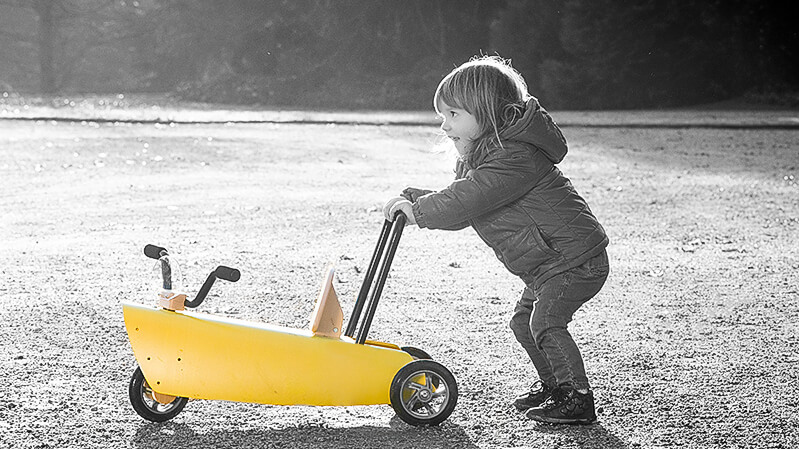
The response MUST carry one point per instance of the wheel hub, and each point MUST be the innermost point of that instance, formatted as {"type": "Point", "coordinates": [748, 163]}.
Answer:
{"type": "Point", "coordinates": [425, 395]}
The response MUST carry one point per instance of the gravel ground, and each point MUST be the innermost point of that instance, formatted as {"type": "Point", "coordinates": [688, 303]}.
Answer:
{"type": "Point", "coordinates": [692, 343]}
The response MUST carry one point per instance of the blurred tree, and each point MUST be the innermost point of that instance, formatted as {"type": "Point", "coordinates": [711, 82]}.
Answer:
{"type": "Point", "coordinates": [767, 40]}
{"type": "Point", "coordinates": [47, 42]}
{"type": "Point", "coordinates": [611, 53]}
{"type": "Point", "coordinates": [367, 53]}
{"type": "Point", "coordinates": [528, 32]}
{"type": "Point", "coordinates": [16, 45]}
{"type": "Point", "coordinates": [352, 53]}
{"type": "Point", "coordinates": [654, 52]}
{"type": "Point", "coordinates": [78, 44]}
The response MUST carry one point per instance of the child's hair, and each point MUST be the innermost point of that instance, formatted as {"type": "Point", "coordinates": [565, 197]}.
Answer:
{"type": "Point", "coordinates": [492, 91]}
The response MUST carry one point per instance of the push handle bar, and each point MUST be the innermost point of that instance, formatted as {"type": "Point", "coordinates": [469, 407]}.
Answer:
{"type": "Point", "coordinates": [389, 239]}
{"type": "Point", "coordinates": [368, 280]}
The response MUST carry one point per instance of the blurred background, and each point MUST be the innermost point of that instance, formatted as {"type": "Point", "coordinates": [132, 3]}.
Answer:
{"type": "Point", "coordinates": [372, 54]}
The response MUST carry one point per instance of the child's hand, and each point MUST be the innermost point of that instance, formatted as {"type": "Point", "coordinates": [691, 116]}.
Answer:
{"type": "Point", "coordinates": [412, 193]}
{"type": "Point", "coordinates": [399, 204]}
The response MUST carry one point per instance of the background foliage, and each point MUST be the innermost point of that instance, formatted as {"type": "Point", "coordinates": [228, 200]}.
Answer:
{"type": "Point", "coordinates": [391, 54]}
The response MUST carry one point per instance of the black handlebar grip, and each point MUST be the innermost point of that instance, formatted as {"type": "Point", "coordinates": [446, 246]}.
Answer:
{"type": "Point", "coordinates": [221, 272]}
{"type": "Point", "coordinates": [228, 274]}
{"type": "Point", "coordinates": [153, 252]}
{"type": "Point", "coordinates": [400, 215]}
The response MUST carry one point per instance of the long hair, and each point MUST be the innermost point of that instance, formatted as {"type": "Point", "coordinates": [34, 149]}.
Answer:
{"type": "Point", "coordinates": [492, 91]}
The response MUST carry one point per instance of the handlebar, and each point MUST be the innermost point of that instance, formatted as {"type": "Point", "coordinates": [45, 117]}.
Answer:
{"type": "Point", "coordinates": [221, 272]}
{"type": "Point", "coordinates": [161, 254]}
{"type": "Point", "coordinates": [228, 274]}
{"type": "Point", "coordinates": [154, 252]}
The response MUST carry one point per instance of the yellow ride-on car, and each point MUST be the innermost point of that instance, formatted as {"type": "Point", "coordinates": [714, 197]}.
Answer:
{"type": "Point", "coordinates": [183, 354]}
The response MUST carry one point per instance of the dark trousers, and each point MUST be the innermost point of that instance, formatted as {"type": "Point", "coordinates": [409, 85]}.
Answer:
{"type": "Point", "coordinates": [542, 315]}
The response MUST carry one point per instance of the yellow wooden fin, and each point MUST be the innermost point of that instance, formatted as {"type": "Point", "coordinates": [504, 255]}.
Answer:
{"type": "Point", "coordinates": [327, 317]}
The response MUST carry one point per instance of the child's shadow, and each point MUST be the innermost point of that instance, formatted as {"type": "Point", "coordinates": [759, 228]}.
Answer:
{"type": "Point", "coordinates": [590, 436]}
{"type": "Point", "coordinates": [398, 435]}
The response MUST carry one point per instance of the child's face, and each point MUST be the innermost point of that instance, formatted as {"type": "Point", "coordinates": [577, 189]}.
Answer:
{"type": "Point", "coordinates": [460, 126]}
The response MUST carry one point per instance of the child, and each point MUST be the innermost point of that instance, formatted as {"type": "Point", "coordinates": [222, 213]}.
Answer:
{"type": "Point", "coordinates": [508, 189]}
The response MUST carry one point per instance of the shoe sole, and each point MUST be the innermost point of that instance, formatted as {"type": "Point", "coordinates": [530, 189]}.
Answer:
{"type": "Point", "coordinates": [524, 408]}
{"type": "Point", "coordinates": [548, 420]}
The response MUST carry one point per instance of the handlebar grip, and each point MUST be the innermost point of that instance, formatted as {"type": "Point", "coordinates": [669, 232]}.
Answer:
{"type": "Point", "coordinates": [221, 272]}
{"type": "Point", "coordinates": [228, 274]}
{"type": "Point", "coordinates": [154, 252]}
{"type": "Point", "coordinates": [400, 216]}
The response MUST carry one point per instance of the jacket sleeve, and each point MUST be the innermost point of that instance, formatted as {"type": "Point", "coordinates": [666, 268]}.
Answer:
{"type": "Point", "coordinates": [495, 183]}
{"type": "Point", "coordinates": [411, 194]}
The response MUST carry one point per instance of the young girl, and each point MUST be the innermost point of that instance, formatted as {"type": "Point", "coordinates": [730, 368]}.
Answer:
{"type": "Point", "coordinates": [508, 189]}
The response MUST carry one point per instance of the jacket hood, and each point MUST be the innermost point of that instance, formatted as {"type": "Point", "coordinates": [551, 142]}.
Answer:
{"type": "Point", "coordinates": [537, 128]}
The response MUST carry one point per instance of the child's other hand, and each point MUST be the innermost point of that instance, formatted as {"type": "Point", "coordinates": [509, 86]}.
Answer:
{"type": "Point", "coordinates": [412, 193]}
{"type": "Point", "coordinates": [399, 204]}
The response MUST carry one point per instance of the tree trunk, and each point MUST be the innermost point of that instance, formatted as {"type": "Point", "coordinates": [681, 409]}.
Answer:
{"type": "Point", "coordinates": [47, 34]}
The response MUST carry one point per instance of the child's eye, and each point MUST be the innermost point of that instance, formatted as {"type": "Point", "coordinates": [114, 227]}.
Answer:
{"type": "Point", "coordinates": [453, 113]}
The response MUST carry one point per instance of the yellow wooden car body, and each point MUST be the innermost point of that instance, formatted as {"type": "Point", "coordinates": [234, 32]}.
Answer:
{"type": "Point", "coordinates": [196, 355]}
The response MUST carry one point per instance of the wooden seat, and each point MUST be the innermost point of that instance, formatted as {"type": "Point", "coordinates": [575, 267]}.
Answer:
{"type": "Point", "coordinates": [327, 317]}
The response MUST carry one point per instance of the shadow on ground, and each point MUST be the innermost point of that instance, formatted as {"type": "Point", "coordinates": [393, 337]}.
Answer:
{"type": "Point", "coordinates": [399, 435]}
{"type": "Point", "coordinates": [594, 436]}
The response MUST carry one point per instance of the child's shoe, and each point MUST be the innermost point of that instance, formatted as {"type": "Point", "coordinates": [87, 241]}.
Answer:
{"type": "Point", "coordinates": [565, 406]}
{"type": "Point", "coordinates": [538, 393]}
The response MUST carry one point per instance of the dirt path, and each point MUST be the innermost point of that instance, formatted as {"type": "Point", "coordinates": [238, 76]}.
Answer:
{"type": "Point", "coordinates": [692, 343]}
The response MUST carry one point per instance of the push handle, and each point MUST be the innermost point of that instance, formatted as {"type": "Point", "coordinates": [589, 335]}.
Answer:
{"type": "Point", "coordinates": [368, 279]}
{"type": "Point", "coordinates": [389, 241]}
{"type": "Point", "coordinates": [400, 215]}
{"type": "Point", "coordinates": [221, 272]}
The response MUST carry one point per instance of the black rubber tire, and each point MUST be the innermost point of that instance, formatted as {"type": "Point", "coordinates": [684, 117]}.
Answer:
{"type": "Point", "coordinates": [423, 405]}
{"type": "Point", "coordinates": [147, 407]}
{"type": "Point", "coordinates": [416, 353]}
{"type": "Point", "coordinates": [419, 354]}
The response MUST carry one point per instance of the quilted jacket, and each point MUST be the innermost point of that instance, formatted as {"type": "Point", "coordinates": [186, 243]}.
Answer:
{"type": "Point", "coordinates": [519, 202]}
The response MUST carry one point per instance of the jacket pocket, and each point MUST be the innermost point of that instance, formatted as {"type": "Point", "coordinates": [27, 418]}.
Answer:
{"type": "Point", "coordinates": [542, 243]}
{"type": "Point", "coordinates": [527, 250]}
